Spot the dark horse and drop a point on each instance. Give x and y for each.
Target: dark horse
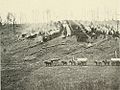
(64, 62)
(98, 63)
(106, 62)
(72, 62)
(48, 63)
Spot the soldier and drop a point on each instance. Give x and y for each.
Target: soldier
(0, 21)
(66, 26)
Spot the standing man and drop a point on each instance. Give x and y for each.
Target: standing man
(67, 28)
(0, 21)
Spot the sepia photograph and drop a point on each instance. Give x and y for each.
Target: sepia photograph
(60, 44)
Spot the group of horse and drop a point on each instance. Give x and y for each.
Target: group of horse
(82, 62)
(113, 62)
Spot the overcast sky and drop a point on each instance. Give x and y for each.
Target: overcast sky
(36, 10)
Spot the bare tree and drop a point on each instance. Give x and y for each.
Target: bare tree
(10, 18)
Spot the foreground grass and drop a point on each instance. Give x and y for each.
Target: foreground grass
(71, 78)
(77, 78)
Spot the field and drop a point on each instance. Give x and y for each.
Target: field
(67, 78)
(18, 74)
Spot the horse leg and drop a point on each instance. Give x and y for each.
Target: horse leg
(74, 63)
(70, 63)
(82, 63)
(119, 63)
(50, 64)
(105, 63)
(96, 63)
(78, 63)
(113, 63)
(100, 63)
(46, 64)
(66, 63)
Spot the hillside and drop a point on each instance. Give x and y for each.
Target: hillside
(16, 70)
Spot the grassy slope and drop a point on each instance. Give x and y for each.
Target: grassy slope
(25, 76)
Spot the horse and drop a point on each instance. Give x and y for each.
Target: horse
(48, 63)
(64, 62)
(98, 63)
(82, 61)
(106, 62)
(115, 61)
(72, 62)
